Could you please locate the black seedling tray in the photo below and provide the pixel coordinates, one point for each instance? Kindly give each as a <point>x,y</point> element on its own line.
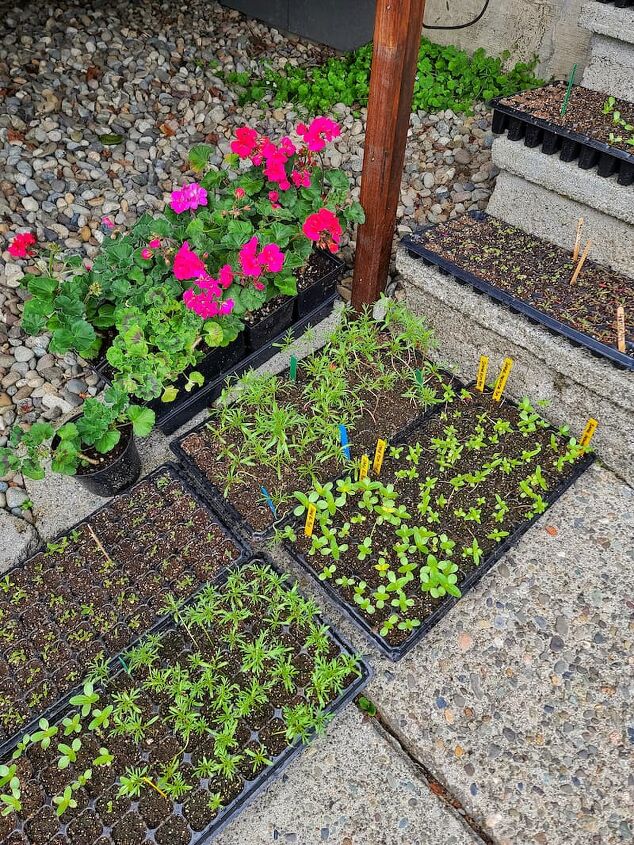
<point>395,653</point>
<point>620,4</point>
<point>553,138</point>
<point>173,417</point>
<point>272,773</point>
<point>280,763</point>
<point>242,553</point>
<point>461,274</point>
<point>239,524</point>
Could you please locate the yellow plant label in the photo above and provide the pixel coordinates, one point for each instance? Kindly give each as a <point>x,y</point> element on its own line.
<point>588,432</point>
<point>500,384</point>
<point>620,329</point>
<point>365,466</point>
<point>310,520</point>
<point>483,366</point>
<point>379,454</point>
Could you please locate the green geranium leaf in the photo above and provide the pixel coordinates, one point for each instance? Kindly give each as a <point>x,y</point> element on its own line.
<point>142,420</point>
<point>213,333</point>
<point>169,394</point>
<point>199,156</point>
<point>108,441</point>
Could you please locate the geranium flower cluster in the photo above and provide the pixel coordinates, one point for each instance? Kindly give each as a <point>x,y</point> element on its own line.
<point>21,245</point>
<point>188,198</point>
<point>324,228</point>
<point>275,157</point>
<point>207,300</point>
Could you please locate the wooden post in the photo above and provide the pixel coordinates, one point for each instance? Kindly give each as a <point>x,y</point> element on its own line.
<point>397,31</point>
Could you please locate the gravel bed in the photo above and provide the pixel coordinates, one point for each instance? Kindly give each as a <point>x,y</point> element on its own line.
<point>71,72</point>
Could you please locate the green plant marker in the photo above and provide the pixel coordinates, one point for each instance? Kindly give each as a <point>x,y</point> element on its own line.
<point>419,377</point>
<point>293,368</point>
<point>124,664</point>
<point>571,81</point>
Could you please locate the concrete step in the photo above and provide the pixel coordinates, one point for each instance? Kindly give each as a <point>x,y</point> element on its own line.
<point>579,385</point>
<point>546,197</point>
<point>565,178</point>
<point>611,64</point>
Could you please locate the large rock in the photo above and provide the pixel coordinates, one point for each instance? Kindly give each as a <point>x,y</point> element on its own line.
<point>18,540</point>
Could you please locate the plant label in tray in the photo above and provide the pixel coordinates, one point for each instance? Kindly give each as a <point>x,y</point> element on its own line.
<point>481,377</point>
<point>379,454</point>
<point>500,384</point>
<point>588,432</point>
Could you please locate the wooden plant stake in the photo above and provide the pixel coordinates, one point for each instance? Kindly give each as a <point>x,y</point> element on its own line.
<point>575,252</point>
<point>582,261</point>
<point>620,329</point>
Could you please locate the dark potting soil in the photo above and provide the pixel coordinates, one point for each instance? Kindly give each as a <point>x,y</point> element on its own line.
<point>318,267</point>
<point>383,415</point>
<point>584,113</point>
<point>255,317</point>
<point>99,587</point>
<point>102,461</point>
<point>214,658</point>
<point>537,272</point>
<point>459,512</point>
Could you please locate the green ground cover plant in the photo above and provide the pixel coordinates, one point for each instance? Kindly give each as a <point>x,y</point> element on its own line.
<point>397,545</point>
<point>447,78</point>
<point>245,673</point>
<point>373,377</point>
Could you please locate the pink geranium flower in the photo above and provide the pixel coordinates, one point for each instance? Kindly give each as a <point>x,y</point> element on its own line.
<point>324,228</point>
<point>239,192</point>
<point>187,265</point>
<point>155,243</point>
<point>271,258</point>
<point>188,198</point>
<point>146,253</point>
<point>301,178</point>
<point>248,258</point>
<point>225,276</point>
<point>245,143</point>
<point>20,246</point>
<point>321,131</point>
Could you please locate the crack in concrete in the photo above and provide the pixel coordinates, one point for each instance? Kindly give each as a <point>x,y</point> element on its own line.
<point>455,806</point>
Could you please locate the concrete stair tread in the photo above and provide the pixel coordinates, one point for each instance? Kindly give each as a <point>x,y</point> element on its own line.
<point>607,19</point>
<point>565,178</point>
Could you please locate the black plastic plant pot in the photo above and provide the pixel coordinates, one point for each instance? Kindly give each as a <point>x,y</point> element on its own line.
<point>269,327</point>
<point>115,475</point>
<point>312,296</point>
<point>589,152</point>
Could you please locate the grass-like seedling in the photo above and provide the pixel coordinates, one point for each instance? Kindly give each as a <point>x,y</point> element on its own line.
<point>396,547</point>
<point>371,376</point>
<point>243,675</point>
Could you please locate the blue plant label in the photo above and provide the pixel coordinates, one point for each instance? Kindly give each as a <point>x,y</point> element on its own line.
<point>269,500</point>
<point>343,433</point>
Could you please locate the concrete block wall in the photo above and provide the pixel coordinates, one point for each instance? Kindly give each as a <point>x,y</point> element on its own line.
<point>546,28</point>
<point>611,64</point>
